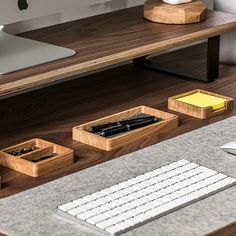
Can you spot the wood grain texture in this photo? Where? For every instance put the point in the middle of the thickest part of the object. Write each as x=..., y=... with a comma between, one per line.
x=229, y=230
x=51, y=113
x=24, y=164
x=160, y=12
x=199, y=112
x=106, y=40
x=81, y=133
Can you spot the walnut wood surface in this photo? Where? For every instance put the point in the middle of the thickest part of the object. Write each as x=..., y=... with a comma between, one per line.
x=229, y=230
x=51, y=113
x=106, y=40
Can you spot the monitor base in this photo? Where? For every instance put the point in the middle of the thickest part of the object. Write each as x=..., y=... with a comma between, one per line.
x=18, y=53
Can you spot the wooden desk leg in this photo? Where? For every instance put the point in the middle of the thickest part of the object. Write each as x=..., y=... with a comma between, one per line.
x=212, y=71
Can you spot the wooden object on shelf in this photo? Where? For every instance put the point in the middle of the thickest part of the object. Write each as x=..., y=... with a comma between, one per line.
x=24, y=164
x=81, y=133
x=160, y=12
x=0, y=182
x=196, y=111
x=108, y=39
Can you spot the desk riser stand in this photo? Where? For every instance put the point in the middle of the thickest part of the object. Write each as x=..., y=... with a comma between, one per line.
x=18, y=53
x=212, y=72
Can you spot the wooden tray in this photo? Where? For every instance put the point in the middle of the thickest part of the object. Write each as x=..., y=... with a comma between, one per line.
x=23, y=164
x=199, y=112
x=81, y=133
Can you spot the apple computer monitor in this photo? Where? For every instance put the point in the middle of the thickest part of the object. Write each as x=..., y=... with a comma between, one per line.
x=18, y=53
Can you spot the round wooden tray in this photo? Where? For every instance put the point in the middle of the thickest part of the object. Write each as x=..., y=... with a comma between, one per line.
x=160, y=12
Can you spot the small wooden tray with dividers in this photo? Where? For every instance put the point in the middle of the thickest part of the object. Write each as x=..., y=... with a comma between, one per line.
x=223, y=104
x=25, y=163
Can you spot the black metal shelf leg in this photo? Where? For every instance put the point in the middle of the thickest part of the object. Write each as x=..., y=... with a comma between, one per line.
x=212, y=71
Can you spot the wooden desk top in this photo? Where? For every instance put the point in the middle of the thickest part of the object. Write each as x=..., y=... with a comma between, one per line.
x=108, y=39
x=51, y=113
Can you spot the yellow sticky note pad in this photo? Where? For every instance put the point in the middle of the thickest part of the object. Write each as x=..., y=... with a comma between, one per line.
x=203, y=100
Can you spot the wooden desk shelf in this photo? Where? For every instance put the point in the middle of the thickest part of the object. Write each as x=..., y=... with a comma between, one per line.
x=106, y=40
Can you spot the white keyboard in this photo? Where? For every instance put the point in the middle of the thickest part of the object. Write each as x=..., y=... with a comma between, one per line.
x=136, y=201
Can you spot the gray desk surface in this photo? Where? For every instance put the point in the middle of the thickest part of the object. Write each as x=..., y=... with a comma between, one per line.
x=33, y=212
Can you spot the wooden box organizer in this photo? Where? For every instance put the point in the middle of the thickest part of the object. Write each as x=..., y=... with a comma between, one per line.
x=222, y=105
x=169, y=122
x=24, y=164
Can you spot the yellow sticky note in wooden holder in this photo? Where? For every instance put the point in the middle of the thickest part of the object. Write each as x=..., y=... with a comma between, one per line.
x=203, y=100
x=200, y=103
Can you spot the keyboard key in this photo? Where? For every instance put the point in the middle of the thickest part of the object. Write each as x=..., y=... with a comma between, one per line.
x=142, y=217
x=145, y=207
x=228, y=180
x=100, y=209
x=126, y=215
x=113, y=229
x=112, y=213
x=150, y=174
x=125, y=184
x=74, y=211
x=123, y=192
x=116, y=219
x=108, y=191
x=115, y=195
x=154, y=212
x=122, y=225
x=135, y=211
x=89, y=198
x=117, y=187
x=104, y=224
x=159, y=171
x=87, y=214
x=87, y=207
x=96, y=219
x=131, y=189
x=79, y=202
x=134, y=181
x=67, y=206
x=98, y=194
x=121, y=209
x=132, y=221
x=181, y=162
x=95, y=203
x=105, y=199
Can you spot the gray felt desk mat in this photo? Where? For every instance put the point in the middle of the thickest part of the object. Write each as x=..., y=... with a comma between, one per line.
x=33, y=212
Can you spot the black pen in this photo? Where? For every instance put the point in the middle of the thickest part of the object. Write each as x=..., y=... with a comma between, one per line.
x=38, y=159
x=126, y=127
x=99, y=128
